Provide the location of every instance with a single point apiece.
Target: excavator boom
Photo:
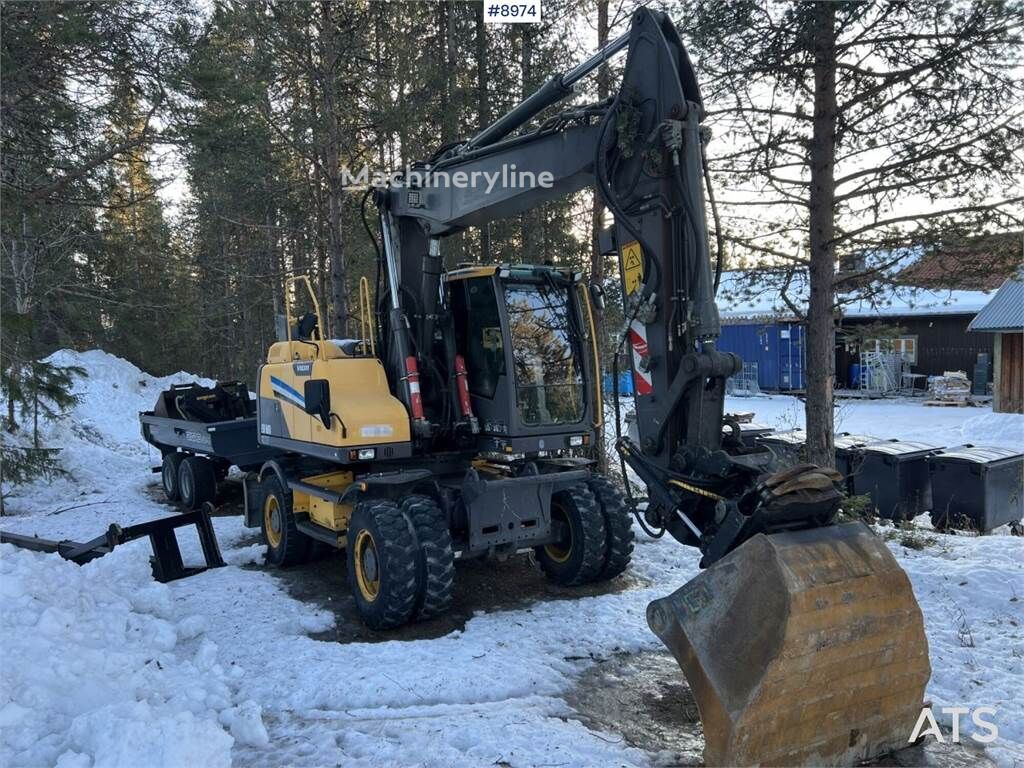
(802, 640)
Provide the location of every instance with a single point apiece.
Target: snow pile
(111, 396)
(99, 669)
(102, 447)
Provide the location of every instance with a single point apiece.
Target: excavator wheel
(578, 555)
(800, 648)
(618, 524)
(435, 557)
(286, 544)
(382, 563)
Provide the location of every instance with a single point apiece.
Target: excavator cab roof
(515, 272)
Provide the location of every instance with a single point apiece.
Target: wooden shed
(1003, 316)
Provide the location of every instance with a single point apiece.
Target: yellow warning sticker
(632, 266)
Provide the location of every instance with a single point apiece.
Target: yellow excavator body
(801, 648)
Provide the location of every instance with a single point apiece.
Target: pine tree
(854, 129)
(31, 389)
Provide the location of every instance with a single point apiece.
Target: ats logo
(989, 731)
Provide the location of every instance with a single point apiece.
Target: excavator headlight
(362, 454)
(575, 441)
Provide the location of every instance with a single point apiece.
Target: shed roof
(918, 302)
(975, 264)
(743, 297)
(1005, 312)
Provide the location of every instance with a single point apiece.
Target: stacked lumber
(951, 388)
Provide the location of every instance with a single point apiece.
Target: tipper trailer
(201, 432)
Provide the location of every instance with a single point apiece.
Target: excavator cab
(526, 335)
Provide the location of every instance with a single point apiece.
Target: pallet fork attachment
(166, 560)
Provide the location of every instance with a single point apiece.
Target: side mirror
(597, 296)
(317, 395)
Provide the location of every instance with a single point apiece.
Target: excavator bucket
(801, 648)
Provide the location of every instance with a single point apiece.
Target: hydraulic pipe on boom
(556, 89)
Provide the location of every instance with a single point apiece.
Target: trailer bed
(233, 441)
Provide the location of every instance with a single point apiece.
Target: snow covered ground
(905, 419)
(101, 666)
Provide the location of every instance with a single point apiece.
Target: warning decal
(632, 267)
(642, 379)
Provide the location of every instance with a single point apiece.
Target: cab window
(543, 330)
(478, 333)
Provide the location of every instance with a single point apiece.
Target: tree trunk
(446, 64)
(529, 220)
(597, 226)
(483, 112)
(337, 322)
(821, 220)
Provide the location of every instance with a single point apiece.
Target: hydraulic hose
(653, 269)
(719, 237)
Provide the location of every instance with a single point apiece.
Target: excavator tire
(579, 555)
(435, 557)
(286, 544)
(801, 648)
(618, 524)
(382, 558)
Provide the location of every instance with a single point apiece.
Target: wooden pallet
(948, 403)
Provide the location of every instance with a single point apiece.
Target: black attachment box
(895, 475)
(788, 448)
(976, 487)
(848, 454)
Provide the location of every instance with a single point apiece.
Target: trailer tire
(618, 523)
(197, 482)
(382, 563)
(169, 475)
(435, 556)
(579, 555)
(286, 544)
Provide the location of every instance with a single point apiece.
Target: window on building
(905, 346)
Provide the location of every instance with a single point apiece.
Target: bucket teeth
(802, 648)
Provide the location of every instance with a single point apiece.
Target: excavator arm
(643, 151)
(790, 603)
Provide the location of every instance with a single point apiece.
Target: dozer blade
(801, 648)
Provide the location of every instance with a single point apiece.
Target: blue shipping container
(777, 348)
(625, 383)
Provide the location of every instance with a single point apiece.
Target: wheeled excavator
(454, 427)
